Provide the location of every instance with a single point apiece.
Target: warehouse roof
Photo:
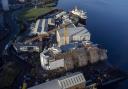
(40, 26)
(71, 46)
(63, 82)
(48, 85)
(71, 80)
(74, 31)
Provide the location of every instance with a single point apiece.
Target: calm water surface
(108, 24)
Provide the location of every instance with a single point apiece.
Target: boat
(80, 13)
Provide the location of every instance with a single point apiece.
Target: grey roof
(71, 80)
(48, 85)
(67, 47)
(70, 75)
(22, 44)
(39, 29)
(73, 31)
(71, 46)
(61, 83)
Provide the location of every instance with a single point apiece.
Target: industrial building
(74, 34)
(54, 58)
(20, 47)
(41, 26)
(46, 58)
(71, 81)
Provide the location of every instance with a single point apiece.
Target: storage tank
(5, 5)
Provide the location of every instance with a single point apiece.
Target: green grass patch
(34, 13)
(50, 5)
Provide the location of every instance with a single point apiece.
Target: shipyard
(54, 50)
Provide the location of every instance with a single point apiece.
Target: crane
(65, 34)
(42, 36)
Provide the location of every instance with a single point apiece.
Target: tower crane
(65, 34)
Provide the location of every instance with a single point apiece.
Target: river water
(108, 25)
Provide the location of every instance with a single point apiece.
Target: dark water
(108, 24)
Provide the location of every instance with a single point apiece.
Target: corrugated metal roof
(63, 82)
(73, 31)
(41, 22)
(41, 26)
(71, 80)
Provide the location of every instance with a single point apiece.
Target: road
(25, 68)
(6, 45)
(10, 19)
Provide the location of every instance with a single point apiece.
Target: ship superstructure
(80, 13)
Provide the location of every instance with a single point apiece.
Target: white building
(20, 47)
(72, 81)
(47, 60)
(5, 5)
(29, 48)
(72, 35)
